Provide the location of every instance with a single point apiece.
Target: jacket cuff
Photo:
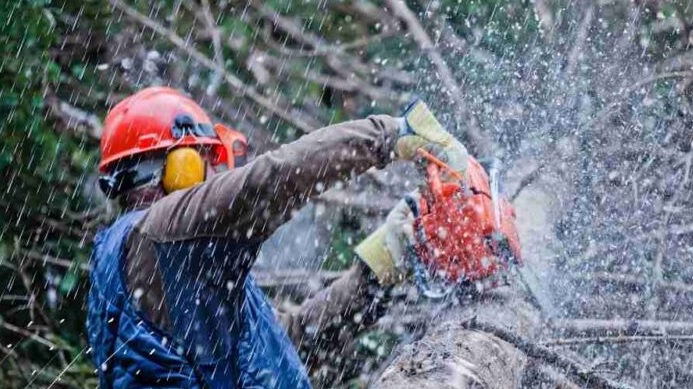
(389, 127)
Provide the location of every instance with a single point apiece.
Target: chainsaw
(464, 230)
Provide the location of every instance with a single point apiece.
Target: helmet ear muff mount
(156, 119)
(184, 168)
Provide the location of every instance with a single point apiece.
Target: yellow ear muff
(184, 168)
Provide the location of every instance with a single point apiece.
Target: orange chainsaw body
(457, 237)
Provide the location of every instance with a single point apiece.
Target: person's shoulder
(130, 218)
(122, 225)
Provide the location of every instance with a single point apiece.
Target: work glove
(384, 251)
(419, 129)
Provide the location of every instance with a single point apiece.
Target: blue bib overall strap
(224, 333)
(222, 319)
(128, 351)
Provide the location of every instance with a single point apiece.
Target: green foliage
(42, 167)
(26, 36)
(376, 343)
(344, 236)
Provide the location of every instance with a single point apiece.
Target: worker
(172, 303)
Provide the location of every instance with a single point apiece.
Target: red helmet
(160, 118)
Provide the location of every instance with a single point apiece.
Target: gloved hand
(419, 128)
(384, 250)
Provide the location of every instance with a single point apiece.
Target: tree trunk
(450, 355)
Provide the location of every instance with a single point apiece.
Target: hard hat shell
(144, 122)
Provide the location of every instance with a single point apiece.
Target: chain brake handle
(440, 165)
(435, 184)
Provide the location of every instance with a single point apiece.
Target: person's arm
(252, 201)
(324, 324)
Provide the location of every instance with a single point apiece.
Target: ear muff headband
(184, 168)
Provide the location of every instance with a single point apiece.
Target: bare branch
(617, 339)
(581, 37)
(364, 203)
(347, 83)
(277, 108)
(28, 334)
(622, 326)
(528, 180)
(543, 13)
(587, 376)
(632, 280)
(45, 258)
(283, 278)
(335, 57)
(216, 42)
(620, 97)
(75, 118)
(289, 26)
(477, 141)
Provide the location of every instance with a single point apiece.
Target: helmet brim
(163, 145)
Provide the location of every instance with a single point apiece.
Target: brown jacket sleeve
(324, 326)
(252, 201)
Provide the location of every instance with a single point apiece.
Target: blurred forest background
(587, 102)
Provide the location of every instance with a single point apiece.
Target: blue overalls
(223, 332)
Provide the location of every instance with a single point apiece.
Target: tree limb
(75, 118)
(620, 99)
(29, 334)
(278, 108)
(283, 278)
(582, 33)
(617, 339)
(64, 263)
(632, 280)
(605, 327)
(588, 377)
(216, 43)
(528, 180)
(477, 141)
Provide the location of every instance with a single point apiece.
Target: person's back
(217, 334)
